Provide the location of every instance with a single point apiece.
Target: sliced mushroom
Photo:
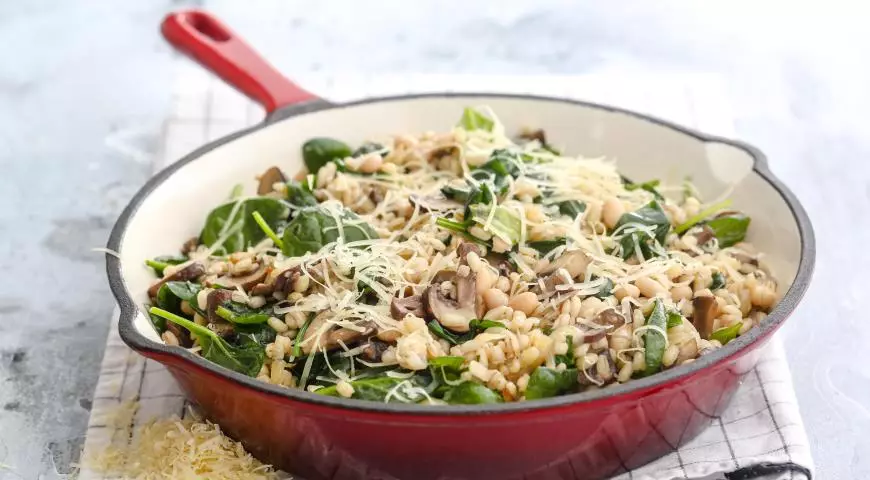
(589, 377)
(190, 272)
(574, 262)
(190, 245)
(537, 134)
(181, 334)
(609, 317)
(443, 152)
(746, 258)
(453, 314)
(215, 299)
(374, 350)
(465, 248)
(704, 235)
(284, 281)
(376, 196)
(592, 336)
(263, 289)
(224, 329)
(705, 310)
(333, 337)
(268, 179)
(247, 282)
(400, 307)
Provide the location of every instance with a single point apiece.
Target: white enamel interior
(176, 209)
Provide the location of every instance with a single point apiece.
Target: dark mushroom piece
(263, 289)
(704, 235)
(215, 299)
(705, 310)
(454, 314)
(268, 179)
(589, 377)
(374, 351)
(181, 334)
(224, 329)
(464, 249)
(284, 281)
(537, 134)
(190, 245)
(610, 318)
(189, 272)
(592, 336)
(745, 258)
(400, 307)
(333, 337)
(247, 282)
(443, 152)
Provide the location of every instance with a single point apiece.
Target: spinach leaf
(370, 147)
(650, 215)
(246, 358)
(729, 228)
(239, 313)
(297, 342)
(446, 369)
(184, 291)
(571, 208)
(701, 216)
(471, 393)
(160, 263)
(169, 298)
(314, 227)
(261, 334)
(299, 195)
(373, 389)
(474, 120)
(319, 151)
(236, 219)
(649, 186)
(549, 382)
(475, 327)
(674, 319)
(546, 246)
(718, 281)
(568, 357)
(502, 166)
(606, 289)
(505, 224)
(653, 339)
(725, 335)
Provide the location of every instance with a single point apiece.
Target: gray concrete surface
(73, 75)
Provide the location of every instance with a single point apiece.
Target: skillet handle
(219, 49)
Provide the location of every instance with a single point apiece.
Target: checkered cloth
(760, 435)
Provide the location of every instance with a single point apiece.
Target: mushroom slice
(465, 248)
(610, 318)
(315, 340)
(190, 272)
(263, 289)
(374, 351)
(247, 282)
(444, 151)
(181, 334)
(592, 336)
(400, 307)
(224, 329)
(705, 310)
(284, 281)
(190, 245)
(574, 262)
(704, 235)
(268, 179)
(215, 299)
(453, 314)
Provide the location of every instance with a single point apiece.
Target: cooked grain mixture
(462, 267)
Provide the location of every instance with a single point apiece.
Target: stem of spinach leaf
(268, 230)
(225, 314)
(695, 219)
(297, 342)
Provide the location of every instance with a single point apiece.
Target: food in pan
(463, 267)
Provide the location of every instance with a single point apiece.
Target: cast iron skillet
(587, 435)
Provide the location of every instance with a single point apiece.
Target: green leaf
(568, 357)
(314, 227)
(725, 335)
(184, 291)
(474, 120)
(246, 358)
(372, 389)
(319, 151)
(475, 327)
(606, 289)
(674, 319)
(571, 208)
(729, 228)
(549, 382)
(241, 314)
(654, 340)
(504, 224)
(239, 223)
(650, 215)
(649, 186)
(297, 342)
(370, 147)
(447, 362)
(471, 393)
(718, 281)
(160, 263)
(546, 246)
(299, 195)
(701, 216)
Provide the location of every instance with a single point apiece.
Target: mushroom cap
(400, 307)
(705, 311)
(190, 272)
(332, 337)
(269, 178)
(452, 314)
(247, 282)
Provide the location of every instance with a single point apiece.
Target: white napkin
(761, 434)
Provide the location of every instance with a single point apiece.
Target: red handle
(220, 50)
